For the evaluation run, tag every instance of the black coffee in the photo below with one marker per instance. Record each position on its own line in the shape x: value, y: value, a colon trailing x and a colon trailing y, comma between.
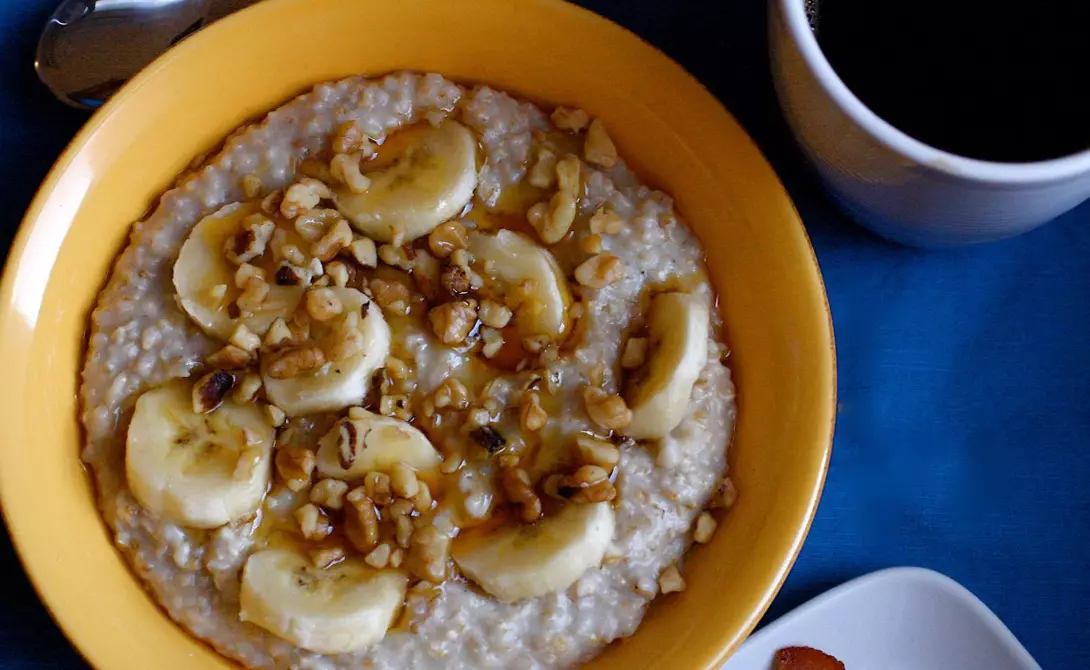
x: 1001, y: 81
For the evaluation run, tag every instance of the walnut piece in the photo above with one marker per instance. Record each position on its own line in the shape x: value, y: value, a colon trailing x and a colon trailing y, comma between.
x: 516, y: 485
x: 453, y: 321
x: 572, y: 120
x: 599, y: 148
x: 210, y: 390
x: 295, y: 361
x: 599, y: 271
x: 360, y: 520
x: 606, y: 410
x: 295, y: 465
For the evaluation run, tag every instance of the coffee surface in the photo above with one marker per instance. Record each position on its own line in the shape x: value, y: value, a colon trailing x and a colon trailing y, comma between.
x: 996, y: 81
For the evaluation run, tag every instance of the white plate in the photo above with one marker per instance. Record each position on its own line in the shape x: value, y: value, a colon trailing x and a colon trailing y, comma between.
x: 895, y: 619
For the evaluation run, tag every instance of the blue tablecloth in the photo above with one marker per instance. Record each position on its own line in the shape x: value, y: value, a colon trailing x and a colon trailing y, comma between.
x: 963, y: 435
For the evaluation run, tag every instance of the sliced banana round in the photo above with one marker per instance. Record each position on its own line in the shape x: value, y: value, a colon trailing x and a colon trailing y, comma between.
x: 199, y: 470
x: 202, y: 272
x: 548, y: 556
x: 336, y: 384
x: 334, y: 610
x: 678, y: 329
x: 372, y: 442
x: 514, y: 259
x: 430, y: 182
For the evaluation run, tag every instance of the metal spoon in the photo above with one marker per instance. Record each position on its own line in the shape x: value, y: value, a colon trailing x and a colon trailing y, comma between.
x: 89, y: 48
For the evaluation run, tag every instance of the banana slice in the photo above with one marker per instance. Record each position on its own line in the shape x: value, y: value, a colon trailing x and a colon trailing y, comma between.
x: 530, y: 561
x: 512, y: 259
x: 373, y: 442
x: 335, y: 610
x: 200, y: 470
x: 202, y: 266
x: 337, y: 384
x: 678, y: 324
x: 429, y: 183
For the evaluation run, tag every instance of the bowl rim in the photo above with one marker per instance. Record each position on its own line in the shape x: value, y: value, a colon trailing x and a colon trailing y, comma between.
x: 793, y: 13
x: 88, y: 646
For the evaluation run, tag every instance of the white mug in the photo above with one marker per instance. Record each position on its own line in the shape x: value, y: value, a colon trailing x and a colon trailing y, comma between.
x: 895, y: 185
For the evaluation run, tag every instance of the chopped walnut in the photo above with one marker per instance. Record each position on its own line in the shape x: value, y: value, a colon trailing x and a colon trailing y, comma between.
x: 379, y: 557
x: 397, y: 556
x: 599, y: 271
x: 635, y: 353
x: 345, y: 168
x: 455, y: 280
x: 275, y: 416
x: 278, y: 334
x: 493, y: 342
x: 543, y: 173
x: 448, y: 238
x: 494, y: 314
x: 422, y: 499
x: 210, y: 390
x: 360, y: 520
x: 247, y: 273
x: 451, y: 393
x: 572, y: 120
x: 705, y: 528
x: 326, y: 557
x: 531, y: 416
x: 340, y: 272
x: 316, y: 169
x: 670, y: 581
x: 392, y: 296
x: 453, y: 321
x: 323, y: 304
x: 364, y: 252
x: 247, y: 388
x: 608, y: 411
x: 244, y: 338
x: 726, y: 495
x: 516, y: 485
x: 378, y: 487
x: 400, y: 511
x: 295, y: 361
x: 396, y: 405
x: 329, y: 493
x: 597, y: 452
x: 398, y: 256
x: 302, y: 196
x: 555, y: 220
x: 230, y: 358
x: 428, y: 554
x: 251, y: 240
x: 253, y: 295
x: 251, y: 186
x: 313, y: 224
x: 290, y: 275
x: 295, y: 466
x: 591, y: 244
x: 349, y: 138
x: 606, y: 222
x: 270, y: 204
x: 599, y: 148
x: 313, y: 522
x: 403, y: 480
x: 338, y: 237
x: 487, y: 436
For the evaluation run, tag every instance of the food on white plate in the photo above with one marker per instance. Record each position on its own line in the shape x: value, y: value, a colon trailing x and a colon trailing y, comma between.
x: 410, y: 370
x: 804, y: 658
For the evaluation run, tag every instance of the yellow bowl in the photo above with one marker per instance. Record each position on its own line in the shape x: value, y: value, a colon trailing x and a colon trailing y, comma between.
x: 674, y: 133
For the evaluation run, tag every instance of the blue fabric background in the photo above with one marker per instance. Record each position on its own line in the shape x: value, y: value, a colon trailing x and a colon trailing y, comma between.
x: 963, y: 436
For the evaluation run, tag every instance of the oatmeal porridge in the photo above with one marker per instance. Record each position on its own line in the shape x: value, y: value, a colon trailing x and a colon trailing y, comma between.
x: 409, y: 374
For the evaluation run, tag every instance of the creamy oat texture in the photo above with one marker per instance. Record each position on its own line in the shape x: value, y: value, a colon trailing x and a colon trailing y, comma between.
x: 140, y: 338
